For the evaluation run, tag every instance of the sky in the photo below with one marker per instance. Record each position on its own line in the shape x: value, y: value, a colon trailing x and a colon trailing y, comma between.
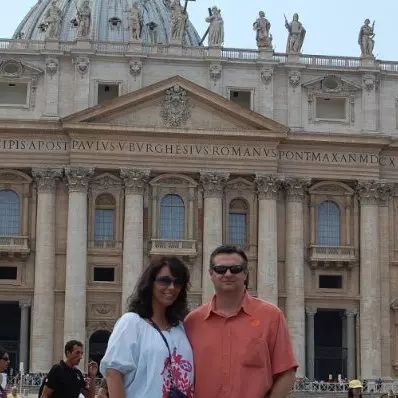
x: 332, y: 26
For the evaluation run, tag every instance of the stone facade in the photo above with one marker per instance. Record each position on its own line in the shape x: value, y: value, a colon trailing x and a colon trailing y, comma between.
x: 315, y: 130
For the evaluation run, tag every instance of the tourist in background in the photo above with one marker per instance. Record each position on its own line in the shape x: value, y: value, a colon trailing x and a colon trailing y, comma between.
x: 4, y: 362
x: 354, y: 389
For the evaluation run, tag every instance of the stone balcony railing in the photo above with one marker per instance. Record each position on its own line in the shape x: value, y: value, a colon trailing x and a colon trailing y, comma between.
x: 14, y: 245
x: 332, y: 255
x: 228, y: 54
x: 170, y: 247
x: 105, y: 244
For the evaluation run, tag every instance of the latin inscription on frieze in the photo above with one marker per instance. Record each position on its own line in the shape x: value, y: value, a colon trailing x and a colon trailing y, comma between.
x: 198, y: 150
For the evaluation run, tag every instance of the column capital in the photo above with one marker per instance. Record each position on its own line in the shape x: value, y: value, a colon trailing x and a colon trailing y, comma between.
x: 46, y: 178
x: 351, y: 313
x: 135, y: 180
x: 268, y: 186
x: 296, y: 189
x: 78, y: 178
x: 213, y: 183
x: 374, y: 192
x: 25, y: 303
x: 309, y: 311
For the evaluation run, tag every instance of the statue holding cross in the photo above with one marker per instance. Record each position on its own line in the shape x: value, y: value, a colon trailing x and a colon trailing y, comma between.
x: 216, y: 28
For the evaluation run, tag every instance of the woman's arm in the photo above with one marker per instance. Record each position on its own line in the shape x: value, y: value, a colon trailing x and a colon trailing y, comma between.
x: 115, y: 381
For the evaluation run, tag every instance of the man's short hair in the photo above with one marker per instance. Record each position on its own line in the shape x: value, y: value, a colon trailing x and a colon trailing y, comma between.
x: 70, y: 344
x: 229, y: 249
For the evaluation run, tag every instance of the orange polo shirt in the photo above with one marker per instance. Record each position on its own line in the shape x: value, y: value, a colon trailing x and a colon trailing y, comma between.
x: 238, y: 355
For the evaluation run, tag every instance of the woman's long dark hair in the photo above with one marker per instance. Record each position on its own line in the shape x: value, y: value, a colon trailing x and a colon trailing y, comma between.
x: 140, y: 301
x: 350, y: 393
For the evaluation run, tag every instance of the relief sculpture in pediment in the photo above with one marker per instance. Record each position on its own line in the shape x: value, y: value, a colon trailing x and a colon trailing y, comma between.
x: 176, y: 107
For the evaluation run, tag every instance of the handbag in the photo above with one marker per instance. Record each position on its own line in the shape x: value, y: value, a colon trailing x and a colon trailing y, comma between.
x: 174, y: 391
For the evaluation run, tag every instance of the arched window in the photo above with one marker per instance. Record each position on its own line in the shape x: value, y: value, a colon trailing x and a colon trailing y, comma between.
x: 104, y: 229
x: 98, y: 343
x: 10, y: 213
x: 172, y: 218
x: 237, y: 222
x: 328, y: 228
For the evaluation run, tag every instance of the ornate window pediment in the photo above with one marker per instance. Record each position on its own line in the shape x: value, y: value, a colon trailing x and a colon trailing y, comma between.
x: 332, y: 84
x: 240, y: 184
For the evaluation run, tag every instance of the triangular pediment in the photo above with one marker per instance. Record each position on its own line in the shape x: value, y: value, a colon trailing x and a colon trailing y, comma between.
x: 13, y: 68
x: 175, y: 103
x: 331, y: 83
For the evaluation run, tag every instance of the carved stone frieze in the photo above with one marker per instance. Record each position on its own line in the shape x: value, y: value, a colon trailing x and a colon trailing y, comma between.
x: 215, y: 71
x: 82, y: 65
x: 268, y: 186
x: 135, y: 180
x: 296, y: 189
x: 46, y: 178
x: 294, y: 78
x: 240, y: 185
x: 51, y: 66
x: 176, y: 107
x: 135, y: 67
x: 78, y: 178
x: 105, y: 183
x: 213, y: 183
x: 266, y: 75
x: 102, y: 309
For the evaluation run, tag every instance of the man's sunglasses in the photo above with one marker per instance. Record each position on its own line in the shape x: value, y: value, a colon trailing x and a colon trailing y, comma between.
x: 166, y: 281
x: 5, y: 359
x: 233, y: 269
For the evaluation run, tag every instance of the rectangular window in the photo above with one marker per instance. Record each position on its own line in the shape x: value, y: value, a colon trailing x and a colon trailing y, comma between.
x: 104, y: 224
x: 107, y: 92
x: 237, y: 227
x: 331, y: 108
x: 13, y: 93
x: 104, y: 274
x: 330, y: 281
x: 8, y: 273
x: 241, y: 97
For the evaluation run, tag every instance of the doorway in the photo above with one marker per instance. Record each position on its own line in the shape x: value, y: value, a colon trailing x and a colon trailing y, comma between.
x: 97, y: 345
x: 330, y: 353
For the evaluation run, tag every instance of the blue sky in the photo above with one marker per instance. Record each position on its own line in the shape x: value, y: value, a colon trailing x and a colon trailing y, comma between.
x: 332, y: 26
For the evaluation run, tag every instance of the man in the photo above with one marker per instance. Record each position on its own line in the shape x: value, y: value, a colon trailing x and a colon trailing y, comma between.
x: 4, y: 362
x: 241, y: 344
x: 66, y: 381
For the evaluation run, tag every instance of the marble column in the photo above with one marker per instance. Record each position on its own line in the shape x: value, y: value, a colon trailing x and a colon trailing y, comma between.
x: 370, y: 334
x: 351, y: 345
x: 76, y: 254
x: 213, y: 187
x: 295, y: 311
x: 133, y: 241
x: 267, y: 256
x: 310, y: 314
x: 24, y: 335
x: 43, y: 297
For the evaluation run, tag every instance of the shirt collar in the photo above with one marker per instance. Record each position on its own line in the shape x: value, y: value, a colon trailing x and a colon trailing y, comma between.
x: 245, y: 306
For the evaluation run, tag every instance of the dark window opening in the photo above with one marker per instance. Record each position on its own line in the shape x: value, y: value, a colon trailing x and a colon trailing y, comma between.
x: 107, y: 92
x: 330, y: 281
x: 104, y: 274
x: 242, y: 98
x: 9, y: 273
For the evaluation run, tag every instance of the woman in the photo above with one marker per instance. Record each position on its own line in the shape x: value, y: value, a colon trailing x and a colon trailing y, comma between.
x: 103, y: 390
x: 4, y: 362
x: 137, y: 362
x: 354, y: 389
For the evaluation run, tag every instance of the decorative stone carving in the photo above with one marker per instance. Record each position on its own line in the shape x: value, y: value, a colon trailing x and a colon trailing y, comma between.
x: 369, y: 82
x: 385, y: 192
x: 82, y: 64
x: 52, y: 21
x: 294, y: 78
x: 262, y: 27
x: 240, y: 185
x: 78, y: 178
x: 296, y: 189
x: 215, y: 71
x: 178, y: 21
x: 11, y: 68
x: 394, y: 304
x: 135, y: 180
x: 46, y: 178
x: 176, y: 107
x: 105, y: 183
x: 268, y: 186
x: 296, y: 36
x: 103, y: 309
x: 351, y: 313
x: 135, y: 67
x: 213, y: 183
x: 83, y: 19
x: 366, y: 39
x: 135, y: 21
x: 369, y: 192
x: 266, y: 75
x: 51, y: 66
x: 216, y: 28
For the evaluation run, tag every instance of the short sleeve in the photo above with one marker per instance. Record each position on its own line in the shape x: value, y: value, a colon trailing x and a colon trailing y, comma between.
x: 123, y: 346
x: 281, y: 350
x: 52, y: 379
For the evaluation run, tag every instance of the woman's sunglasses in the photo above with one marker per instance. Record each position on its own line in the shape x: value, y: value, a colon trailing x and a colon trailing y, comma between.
x: 5, y: 359
x: 233, y: 269
x: 166, y: 281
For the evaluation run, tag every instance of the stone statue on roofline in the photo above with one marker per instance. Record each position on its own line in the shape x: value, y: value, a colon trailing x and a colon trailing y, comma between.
x: 216, y: 28
x: 366, y: 39
x: 178, y: 21
x: 52, y: 21
x: 83, y: 20
x: 262, y: 27
x: 135, y: 21
x: 296, y: 36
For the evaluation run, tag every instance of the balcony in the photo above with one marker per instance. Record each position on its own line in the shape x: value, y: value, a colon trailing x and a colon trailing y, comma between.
x: 170, y: 247
x: 100, y: 246
x: 332, y: 256
x: 14, y: 246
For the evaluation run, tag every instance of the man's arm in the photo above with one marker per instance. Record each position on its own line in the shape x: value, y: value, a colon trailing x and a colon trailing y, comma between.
x: 283, y: 384
x: 47, y: 392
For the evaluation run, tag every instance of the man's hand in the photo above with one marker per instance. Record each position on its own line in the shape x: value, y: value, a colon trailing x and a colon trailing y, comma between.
x: 92, y: 369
